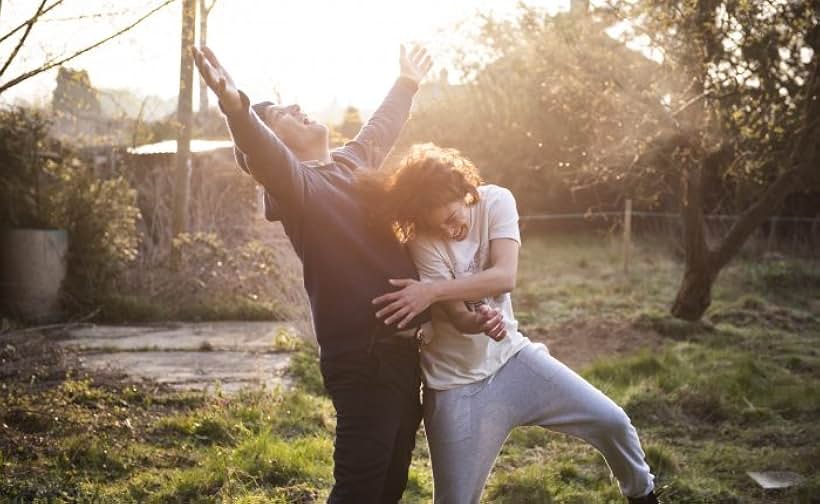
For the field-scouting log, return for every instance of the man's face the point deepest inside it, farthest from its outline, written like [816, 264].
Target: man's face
[294, 127]
[450, 221]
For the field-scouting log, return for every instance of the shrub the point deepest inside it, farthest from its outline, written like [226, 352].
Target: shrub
[46, 185]
[101, 218]
[26, 160]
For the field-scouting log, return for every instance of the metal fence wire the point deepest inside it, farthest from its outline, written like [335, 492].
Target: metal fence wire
[791, 235]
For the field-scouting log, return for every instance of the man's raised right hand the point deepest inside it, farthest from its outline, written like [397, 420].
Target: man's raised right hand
[218, 79]
[415, 64]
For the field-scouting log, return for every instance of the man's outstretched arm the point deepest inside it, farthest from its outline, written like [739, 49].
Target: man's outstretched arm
[374, 141]
[269, 160]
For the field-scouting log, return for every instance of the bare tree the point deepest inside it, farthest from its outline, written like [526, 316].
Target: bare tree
[204, 12]
[26, 27]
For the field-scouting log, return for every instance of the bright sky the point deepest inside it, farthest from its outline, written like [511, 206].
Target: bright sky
[312, 51]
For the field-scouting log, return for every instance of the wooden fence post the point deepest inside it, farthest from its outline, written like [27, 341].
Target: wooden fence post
[627, 234]
[770, 244]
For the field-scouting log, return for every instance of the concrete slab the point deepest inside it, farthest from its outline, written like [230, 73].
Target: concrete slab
[197, 370]
[236, 336]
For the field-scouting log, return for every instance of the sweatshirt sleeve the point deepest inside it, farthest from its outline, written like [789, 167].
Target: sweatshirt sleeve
[268, 159]
[376, 138]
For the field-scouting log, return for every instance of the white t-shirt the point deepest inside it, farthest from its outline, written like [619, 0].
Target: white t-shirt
[451, 358]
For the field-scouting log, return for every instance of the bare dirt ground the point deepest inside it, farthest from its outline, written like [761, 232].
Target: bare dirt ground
[32, 357]
[580, 343]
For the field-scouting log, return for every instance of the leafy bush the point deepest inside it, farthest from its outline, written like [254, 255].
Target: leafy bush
[100, 217]
[24, 155]
[123, 272]
[46, 185]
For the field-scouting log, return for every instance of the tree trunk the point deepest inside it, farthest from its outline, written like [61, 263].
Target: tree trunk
[695, 292]
[203, 41]
[182, 174]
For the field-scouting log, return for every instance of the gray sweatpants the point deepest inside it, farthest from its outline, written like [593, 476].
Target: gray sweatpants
[467, 425]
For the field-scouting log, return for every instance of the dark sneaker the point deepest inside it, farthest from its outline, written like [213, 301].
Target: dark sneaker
[647, 499]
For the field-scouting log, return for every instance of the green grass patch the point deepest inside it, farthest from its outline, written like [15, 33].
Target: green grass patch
[92, 455]
[738, 392]
[286, 340]
[304, 366]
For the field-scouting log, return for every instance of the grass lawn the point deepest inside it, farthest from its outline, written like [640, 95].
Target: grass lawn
[737, 392]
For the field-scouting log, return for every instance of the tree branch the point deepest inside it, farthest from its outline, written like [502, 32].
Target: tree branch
[694, 238]
[689, 103]
[22, 40]
[754, 216]
[49, 65]
[803, 161]
[30, 20]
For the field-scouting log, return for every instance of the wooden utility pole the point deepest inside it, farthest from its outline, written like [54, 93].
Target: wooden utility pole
[182, 175]
[204, 11]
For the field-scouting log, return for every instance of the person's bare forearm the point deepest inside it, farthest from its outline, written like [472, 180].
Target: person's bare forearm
[488, 283]
[485, 320]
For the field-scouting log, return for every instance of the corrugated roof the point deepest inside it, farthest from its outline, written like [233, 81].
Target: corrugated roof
[170, 147]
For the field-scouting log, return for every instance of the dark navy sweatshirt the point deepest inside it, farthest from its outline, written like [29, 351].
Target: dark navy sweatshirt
[347, 259]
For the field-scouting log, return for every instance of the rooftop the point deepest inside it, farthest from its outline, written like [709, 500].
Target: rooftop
[170, 147]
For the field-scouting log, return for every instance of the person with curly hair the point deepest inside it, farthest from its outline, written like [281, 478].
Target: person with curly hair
[464, 239]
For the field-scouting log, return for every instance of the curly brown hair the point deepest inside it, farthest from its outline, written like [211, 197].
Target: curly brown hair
[427, 177]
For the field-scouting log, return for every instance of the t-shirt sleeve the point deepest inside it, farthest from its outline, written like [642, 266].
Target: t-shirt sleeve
[503, 215]
[430, 263]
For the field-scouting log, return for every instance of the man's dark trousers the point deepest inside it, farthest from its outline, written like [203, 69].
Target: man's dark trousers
[378, 410]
